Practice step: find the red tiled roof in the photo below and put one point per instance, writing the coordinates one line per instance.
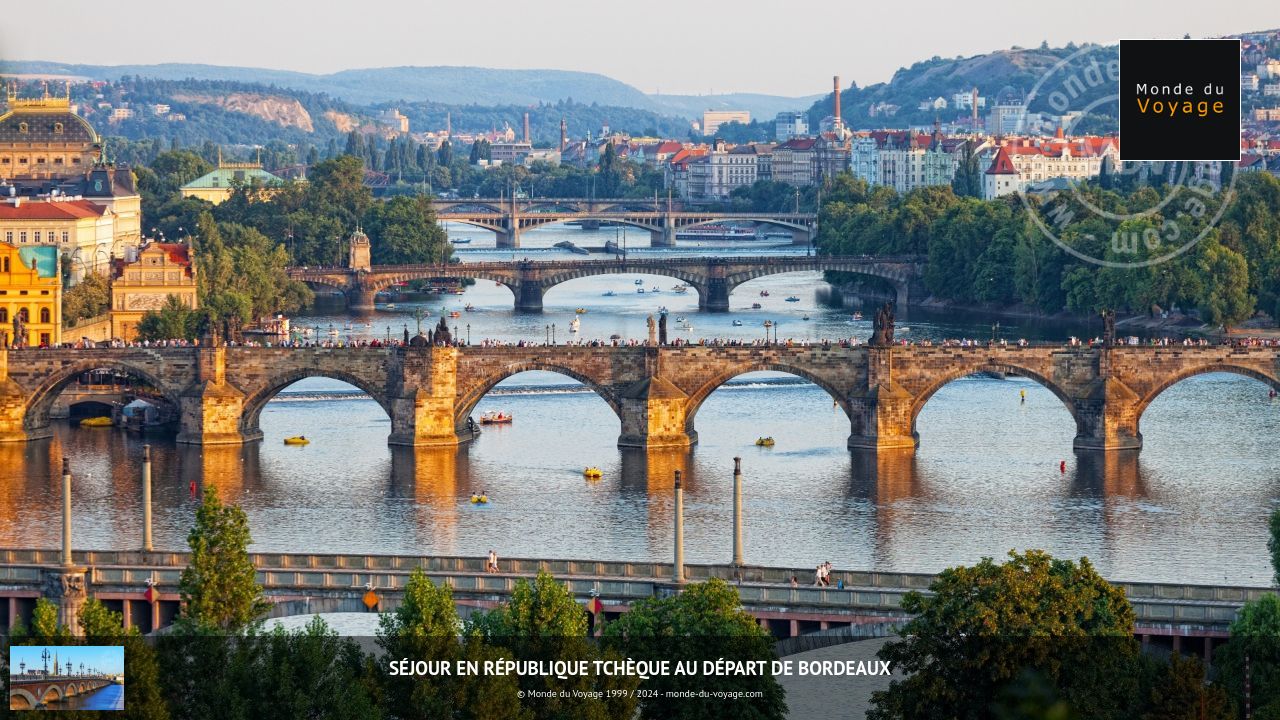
(1001, 164)
(49, 210)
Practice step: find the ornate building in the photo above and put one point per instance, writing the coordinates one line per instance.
(30, 296)
(146, 282)
(218, 185)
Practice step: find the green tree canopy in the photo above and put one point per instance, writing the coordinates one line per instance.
(219, 586)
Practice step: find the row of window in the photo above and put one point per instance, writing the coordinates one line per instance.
(45, 315)
(23, 292)
(25, 128)
(39, 161)
(49, 236)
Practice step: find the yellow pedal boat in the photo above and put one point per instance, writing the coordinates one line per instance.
(297, 440)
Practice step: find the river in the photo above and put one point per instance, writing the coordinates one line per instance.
(1192, 507)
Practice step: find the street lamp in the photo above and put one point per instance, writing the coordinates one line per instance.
(553, 333)
(468, 333)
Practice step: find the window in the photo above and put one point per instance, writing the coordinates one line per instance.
(37, 238)
(4, 314)
(8, 236)
(66, 237)
(22, 127)
(22, 236)
(4, 266)
(57, 128)
(44, 339)
(45, 316)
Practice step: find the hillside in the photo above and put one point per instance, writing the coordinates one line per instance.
(761, 107)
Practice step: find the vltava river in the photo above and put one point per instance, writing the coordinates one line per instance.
(1191, 508)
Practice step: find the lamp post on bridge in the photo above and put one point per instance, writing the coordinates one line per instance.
(677, 566)
(146, 499)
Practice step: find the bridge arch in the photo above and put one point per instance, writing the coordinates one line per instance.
(699, 396)
(53, 693)
(40, 402)
(1215, 367)
(20, 699)
(255, 401)
(472, 396)
(922, 397)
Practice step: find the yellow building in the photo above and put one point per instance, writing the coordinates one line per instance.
(81, 230)
(218, 185)
(145, 283)
(30, 296)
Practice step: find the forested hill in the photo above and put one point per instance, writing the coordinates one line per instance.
(1016, 69)
(231, 112)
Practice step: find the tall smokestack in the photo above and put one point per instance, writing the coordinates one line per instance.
(835, 83)
(526, 127)
(564, 135)
(448, 124)
(974, 100)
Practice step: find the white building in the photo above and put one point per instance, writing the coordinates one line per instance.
(1249, 82)
(1008, 117)
(1269, 70)
(713, 119)
(790, 124)
(1001, 178)
(1271, 89)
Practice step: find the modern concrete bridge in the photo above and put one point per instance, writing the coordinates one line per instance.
(656, 392)
(868, 602)
(714, 278)
(509, 217)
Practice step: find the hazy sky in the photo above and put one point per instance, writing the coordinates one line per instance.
(681, 46)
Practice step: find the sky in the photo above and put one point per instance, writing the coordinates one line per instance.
(671, 46)
(107, 659)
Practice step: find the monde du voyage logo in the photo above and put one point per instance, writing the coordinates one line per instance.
(1180, 100)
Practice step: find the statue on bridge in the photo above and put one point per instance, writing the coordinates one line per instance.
(662, 329)
(442, 335)
(882, 326)
(1108, 328)
(653, 331)
(20, 329)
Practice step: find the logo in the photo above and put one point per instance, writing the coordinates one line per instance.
(1159, 209)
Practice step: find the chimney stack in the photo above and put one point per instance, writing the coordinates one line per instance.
(526, 127)
(563, 135)
(835, 82)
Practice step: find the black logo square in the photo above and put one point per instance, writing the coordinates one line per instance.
(1180, 100)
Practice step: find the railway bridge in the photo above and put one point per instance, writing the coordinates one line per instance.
(656, 391)
(713, 278)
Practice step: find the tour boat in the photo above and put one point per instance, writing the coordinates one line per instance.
(460, 241)
(592, 473)
(297, 440)
(96, 422)
(716, 231)
(793, 298)
(496, 417)
(574, 325)
(765, 441)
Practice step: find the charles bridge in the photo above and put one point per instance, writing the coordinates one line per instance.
(508, 217)
(714, 278)
(430, 392)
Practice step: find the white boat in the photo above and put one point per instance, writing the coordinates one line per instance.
(640, 291)
(681, 289)
(737, 323)
(391, 306)
(574, 324)
(639, 281)
(609, 293)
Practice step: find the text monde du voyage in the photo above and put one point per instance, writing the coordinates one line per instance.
(1180, 99)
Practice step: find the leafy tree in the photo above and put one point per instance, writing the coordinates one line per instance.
(1255, 644)
(173, 321)
(704, 622)
(1273, 542)
(87, 299)
(1225, 299)
(44, 626)
(985, 626)
(219, 586)
(404, 230)
(967, 181)
(143, 694)
(1180, 691)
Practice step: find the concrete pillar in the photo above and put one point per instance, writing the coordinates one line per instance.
(1107, 417)
(1177, 643)
(13, 403)
(795, 628)
(359, 298)
(714, 297)
(146, 499)
(509, 237)
(653, 415)
(665, 236)
(1208, 651)
(422, 411)
(127, 612)
(801, 237)
(210, 410)
(529, 297)
(677, 567)
(13, 611)
(738, 554)
(66, 512)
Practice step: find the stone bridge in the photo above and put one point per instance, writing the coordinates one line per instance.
(38, 691)
(507, 218)
(656, 392)
(713, 278)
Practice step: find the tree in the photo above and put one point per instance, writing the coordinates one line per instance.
(1180, 691)
(173, 321)
(1253, 645)
(404, 230)
(987, 625)
(1225, 299)
(1273, 543)
(967, 181)
(87, 299)
(219, 586)
(704, 622)
(142, 687)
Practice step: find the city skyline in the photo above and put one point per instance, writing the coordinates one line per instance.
(878, 41)
(107, 659)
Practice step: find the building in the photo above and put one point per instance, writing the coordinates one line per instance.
(1249, 82)
(1269, 70)
(1271, 89)
(41, 139)
(713, 119)
(145, 281)
(790, 124)
(80, 229)
(793, 162)
(722, 170)
(119, 114)
(394, 120)
(30, 296)
(509, 153)
(1038, 161)
(764, 161)
(1266, 114)
(218, 185)
(1009, 115)
(1000, 178)
(160, 109)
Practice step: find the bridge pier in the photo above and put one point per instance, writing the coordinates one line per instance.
(422, 413)
(529, 297)
(654, 416)
(13, 404)
(509, 237)
(714, 296)
(664, 237)
(1107, 417)
(882, 419)
(210, 411)
(802, 237)
(360, 298)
